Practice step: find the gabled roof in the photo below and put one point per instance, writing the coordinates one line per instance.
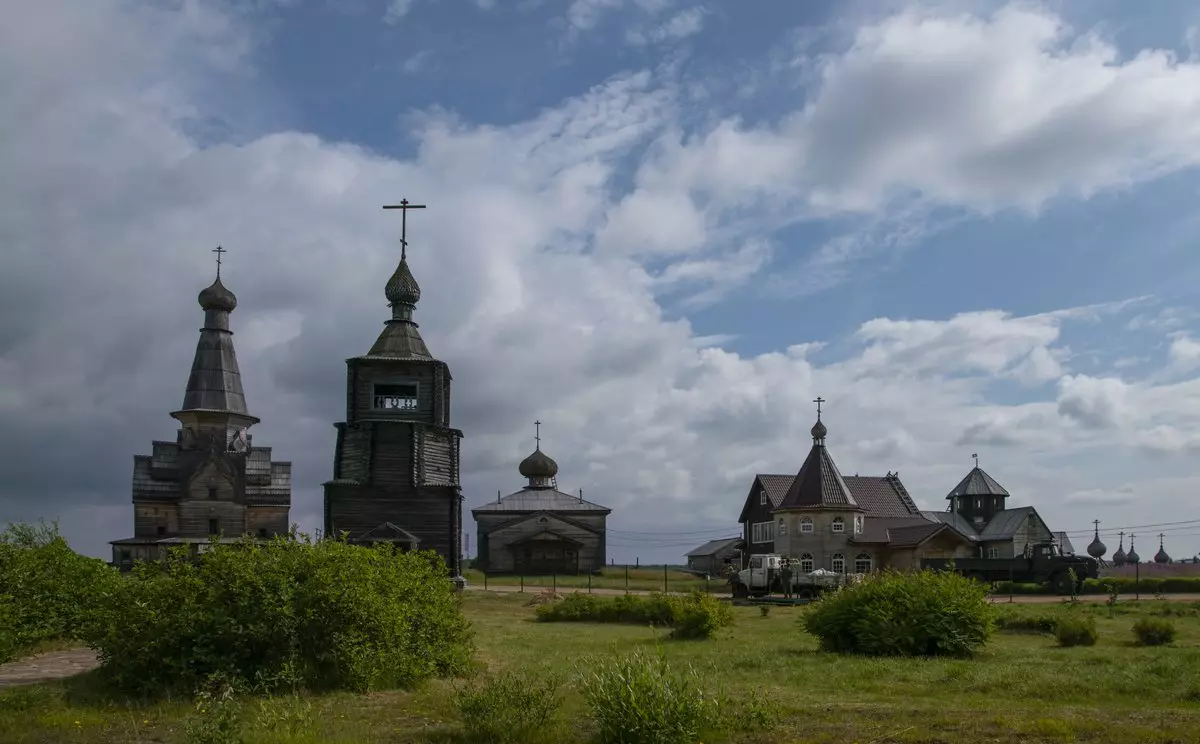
(712, 547)
(1063, 542)
(1004, 524)
(540, 499)
(957, 521)
(388, 531)
(545, 536)
(543, 517)
(818, 485)
(977, 483)
(881, 496)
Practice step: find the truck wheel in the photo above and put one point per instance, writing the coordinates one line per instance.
(1060, 583)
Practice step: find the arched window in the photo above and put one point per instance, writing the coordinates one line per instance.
(806, 524)
(782, 527)
(838, 564)
(862, 563)
(839, 524)
(806, 563)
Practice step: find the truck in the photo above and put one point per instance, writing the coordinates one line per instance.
(1040, 563)
(764, 575)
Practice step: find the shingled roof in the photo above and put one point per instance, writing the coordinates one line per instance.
(977, 483)
(818, 485)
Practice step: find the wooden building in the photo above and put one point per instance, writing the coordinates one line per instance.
(857, 524)
(396, 459)
(539, 529)
(714, 556)
(211, 480)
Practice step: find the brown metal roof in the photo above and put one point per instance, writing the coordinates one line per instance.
(818, 485)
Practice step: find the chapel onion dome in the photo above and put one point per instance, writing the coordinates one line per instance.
(1161, 556)
(402, 287)
(1133, 557)
(1097, 549)
(1119, 558)
(538, 465)
(217, 297)
(819, 431)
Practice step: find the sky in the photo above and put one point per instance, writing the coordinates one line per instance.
(661, 228)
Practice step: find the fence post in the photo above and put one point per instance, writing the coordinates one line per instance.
(589, 582)
(554, 581)
(522, 583)
(485, 581)
(664, 578)
(1137, 577)
(627, 578)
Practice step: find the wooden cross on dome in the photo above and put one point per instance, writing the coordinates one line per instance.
(537, 436)
(819, 400)
(403, 206)
(219, 250)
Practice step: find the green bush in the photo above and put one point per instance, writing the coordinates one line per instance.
(640, 699)
(694, 615)
(1152, 631)
(1123, 584)
(512, 708)
(929, 613)
(1020, 622)
(1075, 629)
(49, 590)
(287, 614)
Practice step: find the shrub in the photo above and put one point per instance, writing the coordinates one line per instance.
(1020, 622)
(1152, 631)
(640, 699)
(1074, 629)
(930, 613)
(290, 613)
(49, 589)
(215, 717)
(694, 615)
(511, 708)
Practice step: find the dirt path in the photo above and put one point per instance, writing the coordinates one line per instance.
(48, 666)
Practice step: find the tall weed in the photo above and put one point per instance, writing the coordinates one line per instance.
(512, 708)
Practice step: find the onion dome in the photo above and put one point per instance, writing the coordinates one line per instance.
(538, 465)
(819, 431)
(217, 297)
(1119, 557)
(1096, 548)
(402, 287)
(1161, 556)
(1132, 556)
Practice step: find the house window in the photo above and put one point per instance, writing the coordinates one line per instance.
(212, 492)
(806, 563)
(993, 552)
(262, 531)
(162, 530)
(859, 521)
(838, 564)
(214, 526)
(762, 497)
(806, 524)
(782, 528)
(839, 524)
(862, 563)
(762, 532)
(401, 397)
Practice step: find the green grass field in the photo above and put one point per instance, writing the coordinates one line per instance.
(1023, 688)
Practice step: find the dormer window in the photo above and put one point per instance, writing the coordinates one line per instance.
(396, 397)
(839, 524)
(806, 525)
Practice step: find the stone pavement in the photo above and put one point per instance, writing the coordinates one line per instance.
(48, 666)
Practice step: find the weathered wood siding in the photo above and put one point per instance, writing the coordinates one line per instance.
(499, 555)
(147, 518)
(430, 514)
(371, 374)
(273, 519)
(194, 515)
(437, 458)
(392, 455)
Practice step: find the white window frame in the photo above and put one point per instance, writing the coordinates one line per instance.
(407, 404)
(781, 528)
(993, 552)
(806, 525)
(859, 560)
(762, 497)
(859, 523)
(838, 525)
(762, 532)
(806, 563)
(835, 560)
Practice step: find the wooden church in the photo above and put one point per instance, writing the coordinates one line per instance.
(396, 460)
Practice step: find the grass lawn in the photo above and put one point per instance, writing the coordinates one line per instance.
(1021, 689)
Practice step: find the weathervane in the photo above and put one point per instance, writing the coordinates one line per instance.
(976, 456)
(403, 206)
(219, 250)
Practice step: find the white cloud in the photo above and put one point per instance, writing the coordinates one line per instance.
(542, 279)
(396, 10)
(683, 24)
(1184, 354)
